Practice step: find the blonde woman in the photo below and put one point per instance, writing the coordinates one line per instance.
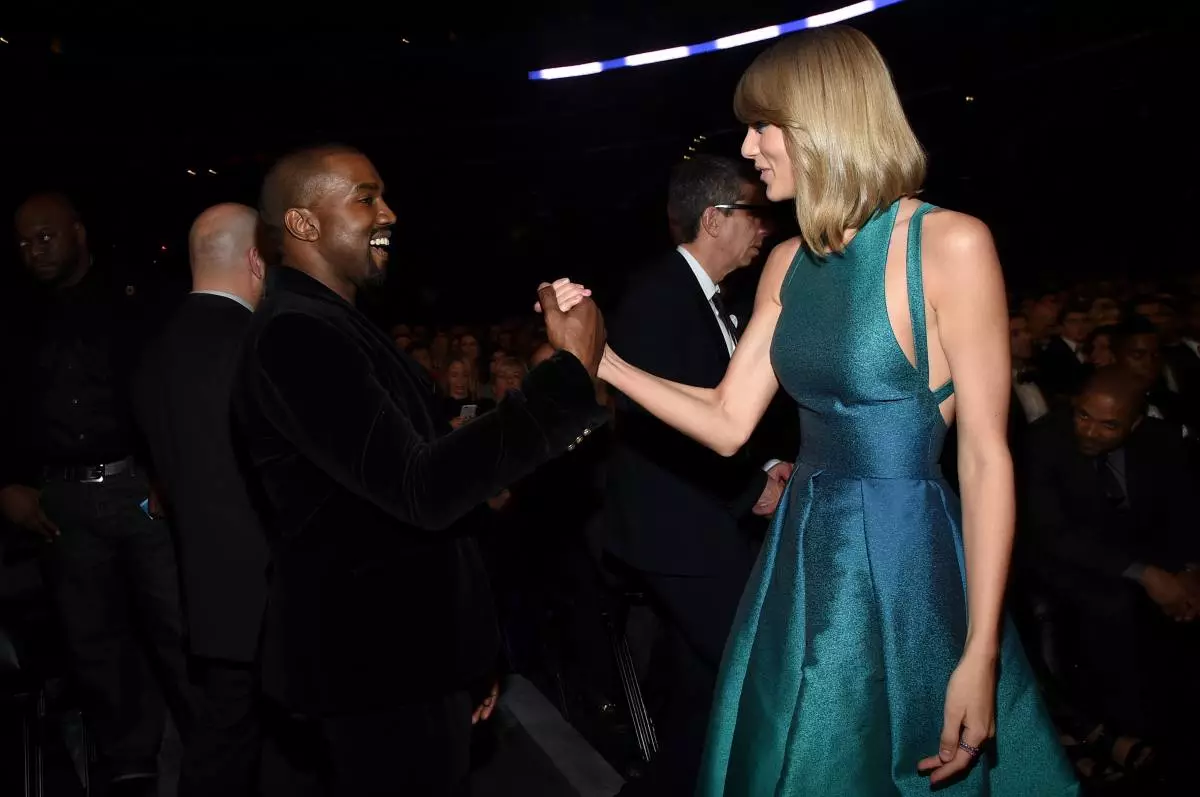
(870, 652)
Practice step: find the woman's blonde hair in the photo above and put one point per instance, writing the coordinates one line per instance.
(851, 147)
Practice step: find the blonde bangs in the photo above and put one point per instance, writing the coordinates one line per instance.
(760, 94)
(852, 150)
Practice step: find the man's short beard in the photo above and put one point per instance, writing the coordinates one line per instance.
(373, 280)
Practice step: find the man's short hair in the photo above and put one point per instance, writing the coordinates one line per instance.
(1128, 329)
(699, 183)
(1078, 306)
(294, 181)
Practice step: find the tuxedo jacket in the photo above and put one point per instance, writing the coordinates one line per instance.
(1060, 373)
(377, 593)
(182, 397)
(1185, 365)
(1076, 538)
(673, 506)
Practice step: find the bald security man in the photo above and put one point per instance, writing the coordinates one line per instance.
(182, 401)
(380, 637)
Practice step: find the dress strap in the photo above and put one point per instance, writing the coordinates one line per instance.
(916, 292)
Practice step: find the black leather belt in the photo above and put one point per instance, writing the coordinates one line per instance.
(88, 474)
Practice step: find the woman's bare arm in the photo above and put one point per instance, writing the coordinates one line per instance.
(723, 417)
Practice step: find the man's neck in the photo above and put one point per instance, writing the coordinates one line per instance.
(708, 262)
(81, 271)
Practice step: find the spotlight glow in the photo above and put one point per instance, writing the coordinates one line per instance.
(723, 43)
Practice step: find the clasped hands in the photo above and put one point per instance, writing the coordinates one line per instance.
(1176, 594)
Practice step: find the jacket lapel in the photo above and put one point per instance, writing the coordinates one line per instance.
(703, 308)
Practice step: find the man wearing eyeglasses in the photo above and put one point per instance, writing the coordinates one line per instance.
(674, 509)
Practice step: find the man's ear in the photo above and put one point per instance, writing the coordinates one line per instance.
(711, 221)
(258, 266)
(301, 223)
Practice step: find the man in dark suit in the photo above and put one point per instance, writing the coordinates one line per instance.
(182, 401)
(1061, 365)
(673, 507)
(380, 635)
(1109, 533)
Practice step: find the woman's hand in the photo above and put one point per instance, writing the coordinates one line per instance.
(970, 718)
(568, 294)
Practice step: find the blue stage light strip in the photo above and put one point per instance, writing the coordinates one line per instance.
(723, 43)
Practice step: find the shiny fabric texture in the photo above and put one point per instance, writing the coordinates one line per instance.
(855, 616)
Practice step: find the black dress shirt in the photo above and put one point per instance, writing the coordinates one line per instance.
(72, 353)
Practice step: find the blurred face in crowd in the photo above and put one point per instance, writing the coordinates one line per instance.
(505, 340)
(1153, 311)
(1076, 326)
(1142, 357)
(765, 145)
(468, 347)
(497, 357)
(439, 347)
(1169, 324)
(1105, 312)
(508, 377)
(1041, 319)
(1191, 324)
(1020, 339)
(52, 241)
(458, 381)
(1102, 422)
(1101, 352)
(403, 342)
(421, 355)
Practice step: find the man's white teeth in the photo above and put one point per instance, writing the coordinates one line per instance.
(384, 242)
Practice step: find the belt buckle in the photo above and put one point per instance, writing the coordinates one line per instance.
(95, 475)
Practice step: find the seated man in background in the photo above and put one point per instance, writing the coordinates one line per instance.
(1110, 535)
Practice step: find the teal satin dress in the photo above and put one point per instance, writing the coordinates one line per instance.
(835, 674)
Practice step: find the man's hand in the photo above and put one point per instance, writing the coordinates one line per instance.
(484, 711)
(23, 507)
(499, 501)
(154, 505)
(1172, 593)
(579, 331)
(777, 478)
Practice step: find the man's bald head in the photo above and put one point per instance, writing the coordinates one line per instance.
(222, 246)
(1117, 383)
(297, 180)
(222, 236)
(1108, 409)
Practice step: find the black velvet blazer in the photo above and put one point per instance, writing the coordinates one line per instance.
(377, 594)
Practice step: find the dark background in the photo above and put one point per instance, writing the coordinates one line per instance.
(1075, 149)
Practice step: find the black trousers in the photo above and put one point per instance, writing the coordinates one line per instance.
(696, 614)
(419, 749)
(222, 752)
(113, 577)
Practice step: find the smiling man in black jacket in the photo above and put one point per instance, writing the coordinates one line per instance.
(380, 624)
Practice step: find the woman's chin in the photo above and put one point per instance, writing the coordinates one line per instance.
(776, 194)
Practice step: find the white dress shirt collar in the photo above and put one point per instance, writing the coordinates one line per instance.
(231, 296)
(706, 283)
